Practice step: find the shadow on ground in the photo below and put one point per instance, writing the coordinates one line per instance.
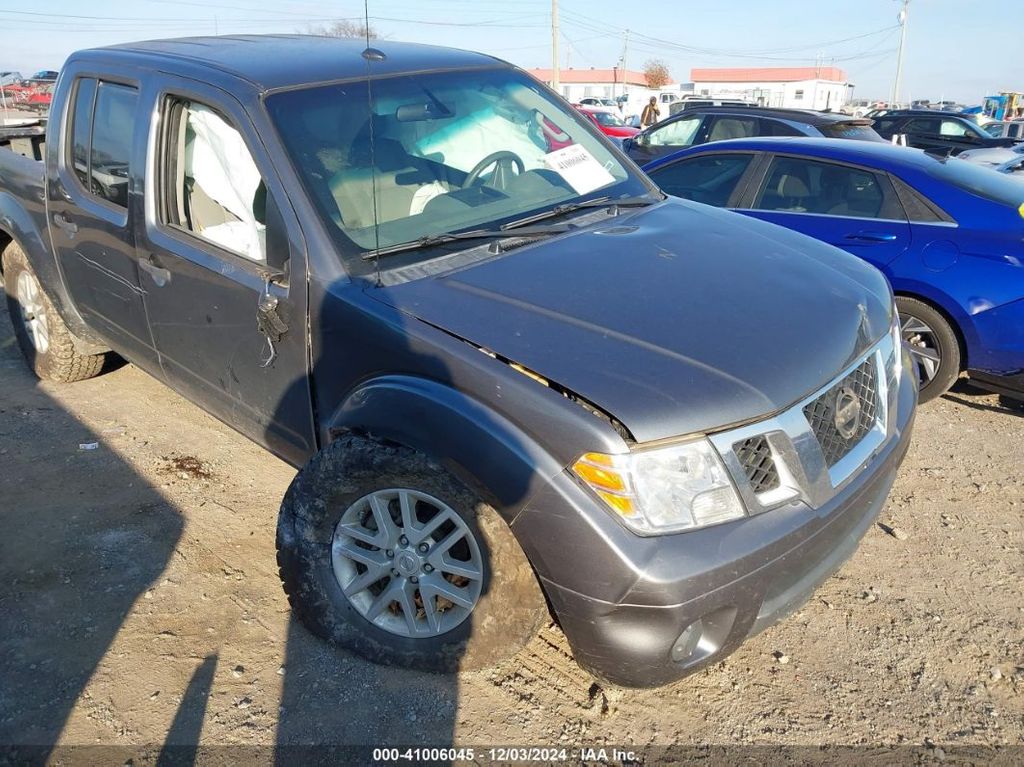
(82, 537)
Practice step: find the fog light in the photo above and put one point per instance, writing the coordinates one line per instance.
(704, 637)
(687, 641)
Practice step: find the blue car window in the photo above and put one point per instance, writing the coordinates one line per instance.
(710, 178)
(799, 185)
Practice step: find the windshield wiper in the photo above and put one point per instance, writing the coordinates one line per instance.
(598, 202)
(476, 234)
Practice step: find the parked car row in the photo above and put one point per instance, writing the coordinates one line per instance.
(705, 124)
(33, 93)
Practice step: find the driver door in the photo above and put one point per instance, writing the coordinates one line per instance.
(220, 239)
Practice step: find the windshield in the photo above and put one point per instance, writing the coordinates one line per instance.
(450, 151)
(609, 119)
(979, 180)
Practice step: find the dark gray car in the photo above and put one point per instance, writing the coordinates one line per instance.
(511, 373)
(700, 125)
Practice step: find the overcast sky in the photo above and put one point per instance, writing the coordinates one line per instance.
(956, 49)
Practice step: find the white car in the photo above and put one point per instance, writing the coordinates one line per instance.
(994, 157)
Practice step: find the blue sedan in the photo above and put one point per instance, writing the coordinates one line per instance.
(949, 235)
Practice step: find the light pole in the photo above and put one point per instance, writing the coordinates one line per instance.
(899, 56)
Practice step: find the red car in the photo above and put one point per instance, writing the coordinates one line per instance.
(609, 122)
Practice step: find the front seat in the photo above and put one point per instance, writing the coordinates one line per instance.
(388, 167)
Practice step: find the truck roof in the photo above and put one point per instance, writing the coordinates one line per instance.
(280, 61)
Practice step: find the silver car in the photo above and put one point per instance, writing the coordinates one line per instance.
(993, 157)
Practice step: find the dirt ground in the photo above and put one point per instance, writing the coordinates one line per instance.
(140, 604)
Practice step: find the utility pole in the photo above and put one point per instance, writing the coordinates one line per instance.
(554, 45)
(899, 56)
(625, 52)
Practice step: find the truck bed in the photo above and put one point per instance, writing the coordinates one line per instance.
(22, 178)
(26, 140)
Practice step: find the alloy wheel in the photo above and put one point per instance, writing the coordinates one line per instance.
(33, 313)
(407, 562)
(923, 345)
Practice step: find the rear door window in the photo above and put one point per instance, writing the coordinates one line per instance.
(102, 126)
(922, 125)
(799, 185)
(709, 178)
(726, 127)
(81, 125)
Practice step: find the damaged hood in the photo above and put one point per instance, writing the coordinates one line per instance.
(674, 319)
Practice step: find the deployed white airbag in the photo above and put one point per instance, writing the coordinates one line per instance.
(221, 164)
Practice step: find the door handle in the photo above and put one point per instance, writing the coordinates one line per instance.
(872, 236)
(70, 227)
(160, 275)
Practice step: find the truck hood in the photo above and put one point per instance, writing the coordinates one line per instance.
(673, 319)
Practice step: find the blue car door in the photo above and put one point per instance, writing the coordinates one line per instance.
(851, 207)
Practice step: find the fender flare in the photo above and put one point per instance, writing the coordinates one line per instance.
(481, 447)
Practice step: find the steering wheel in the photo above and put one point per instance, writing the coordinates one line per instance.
(504, 162)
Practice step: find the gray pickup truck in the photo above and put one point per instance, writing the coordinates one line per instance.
(517, 381)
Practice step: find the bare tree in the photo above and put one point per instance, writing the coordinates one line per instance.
(656, 73)
(345, 28)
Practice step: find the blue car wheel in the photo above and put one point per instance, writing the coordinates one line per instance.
(932, 343)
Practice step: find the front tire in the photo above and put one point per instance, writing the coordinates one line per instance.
(45, 341)
(383, 552)
(932, 343)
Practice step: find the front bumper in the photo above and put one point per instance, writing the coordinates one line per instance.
(642, 612)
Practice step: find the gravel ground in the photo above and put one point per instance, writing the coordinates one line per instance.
(140, 604)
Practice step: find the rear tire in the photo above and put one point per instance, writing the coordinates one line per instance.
(327, 522)
(45, 341)
(932, 343)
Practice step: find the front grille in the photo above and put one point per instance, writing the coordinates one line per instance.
(860, 385)
(755, 457)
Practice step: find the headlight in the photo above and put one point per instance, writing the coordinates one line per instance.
(663, 490)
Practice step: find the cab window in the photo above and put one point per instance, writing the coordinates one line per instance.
(710, 179)
(102, 124)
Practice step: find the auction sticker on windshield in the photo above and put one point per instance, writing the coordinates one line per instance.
(579, 168)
